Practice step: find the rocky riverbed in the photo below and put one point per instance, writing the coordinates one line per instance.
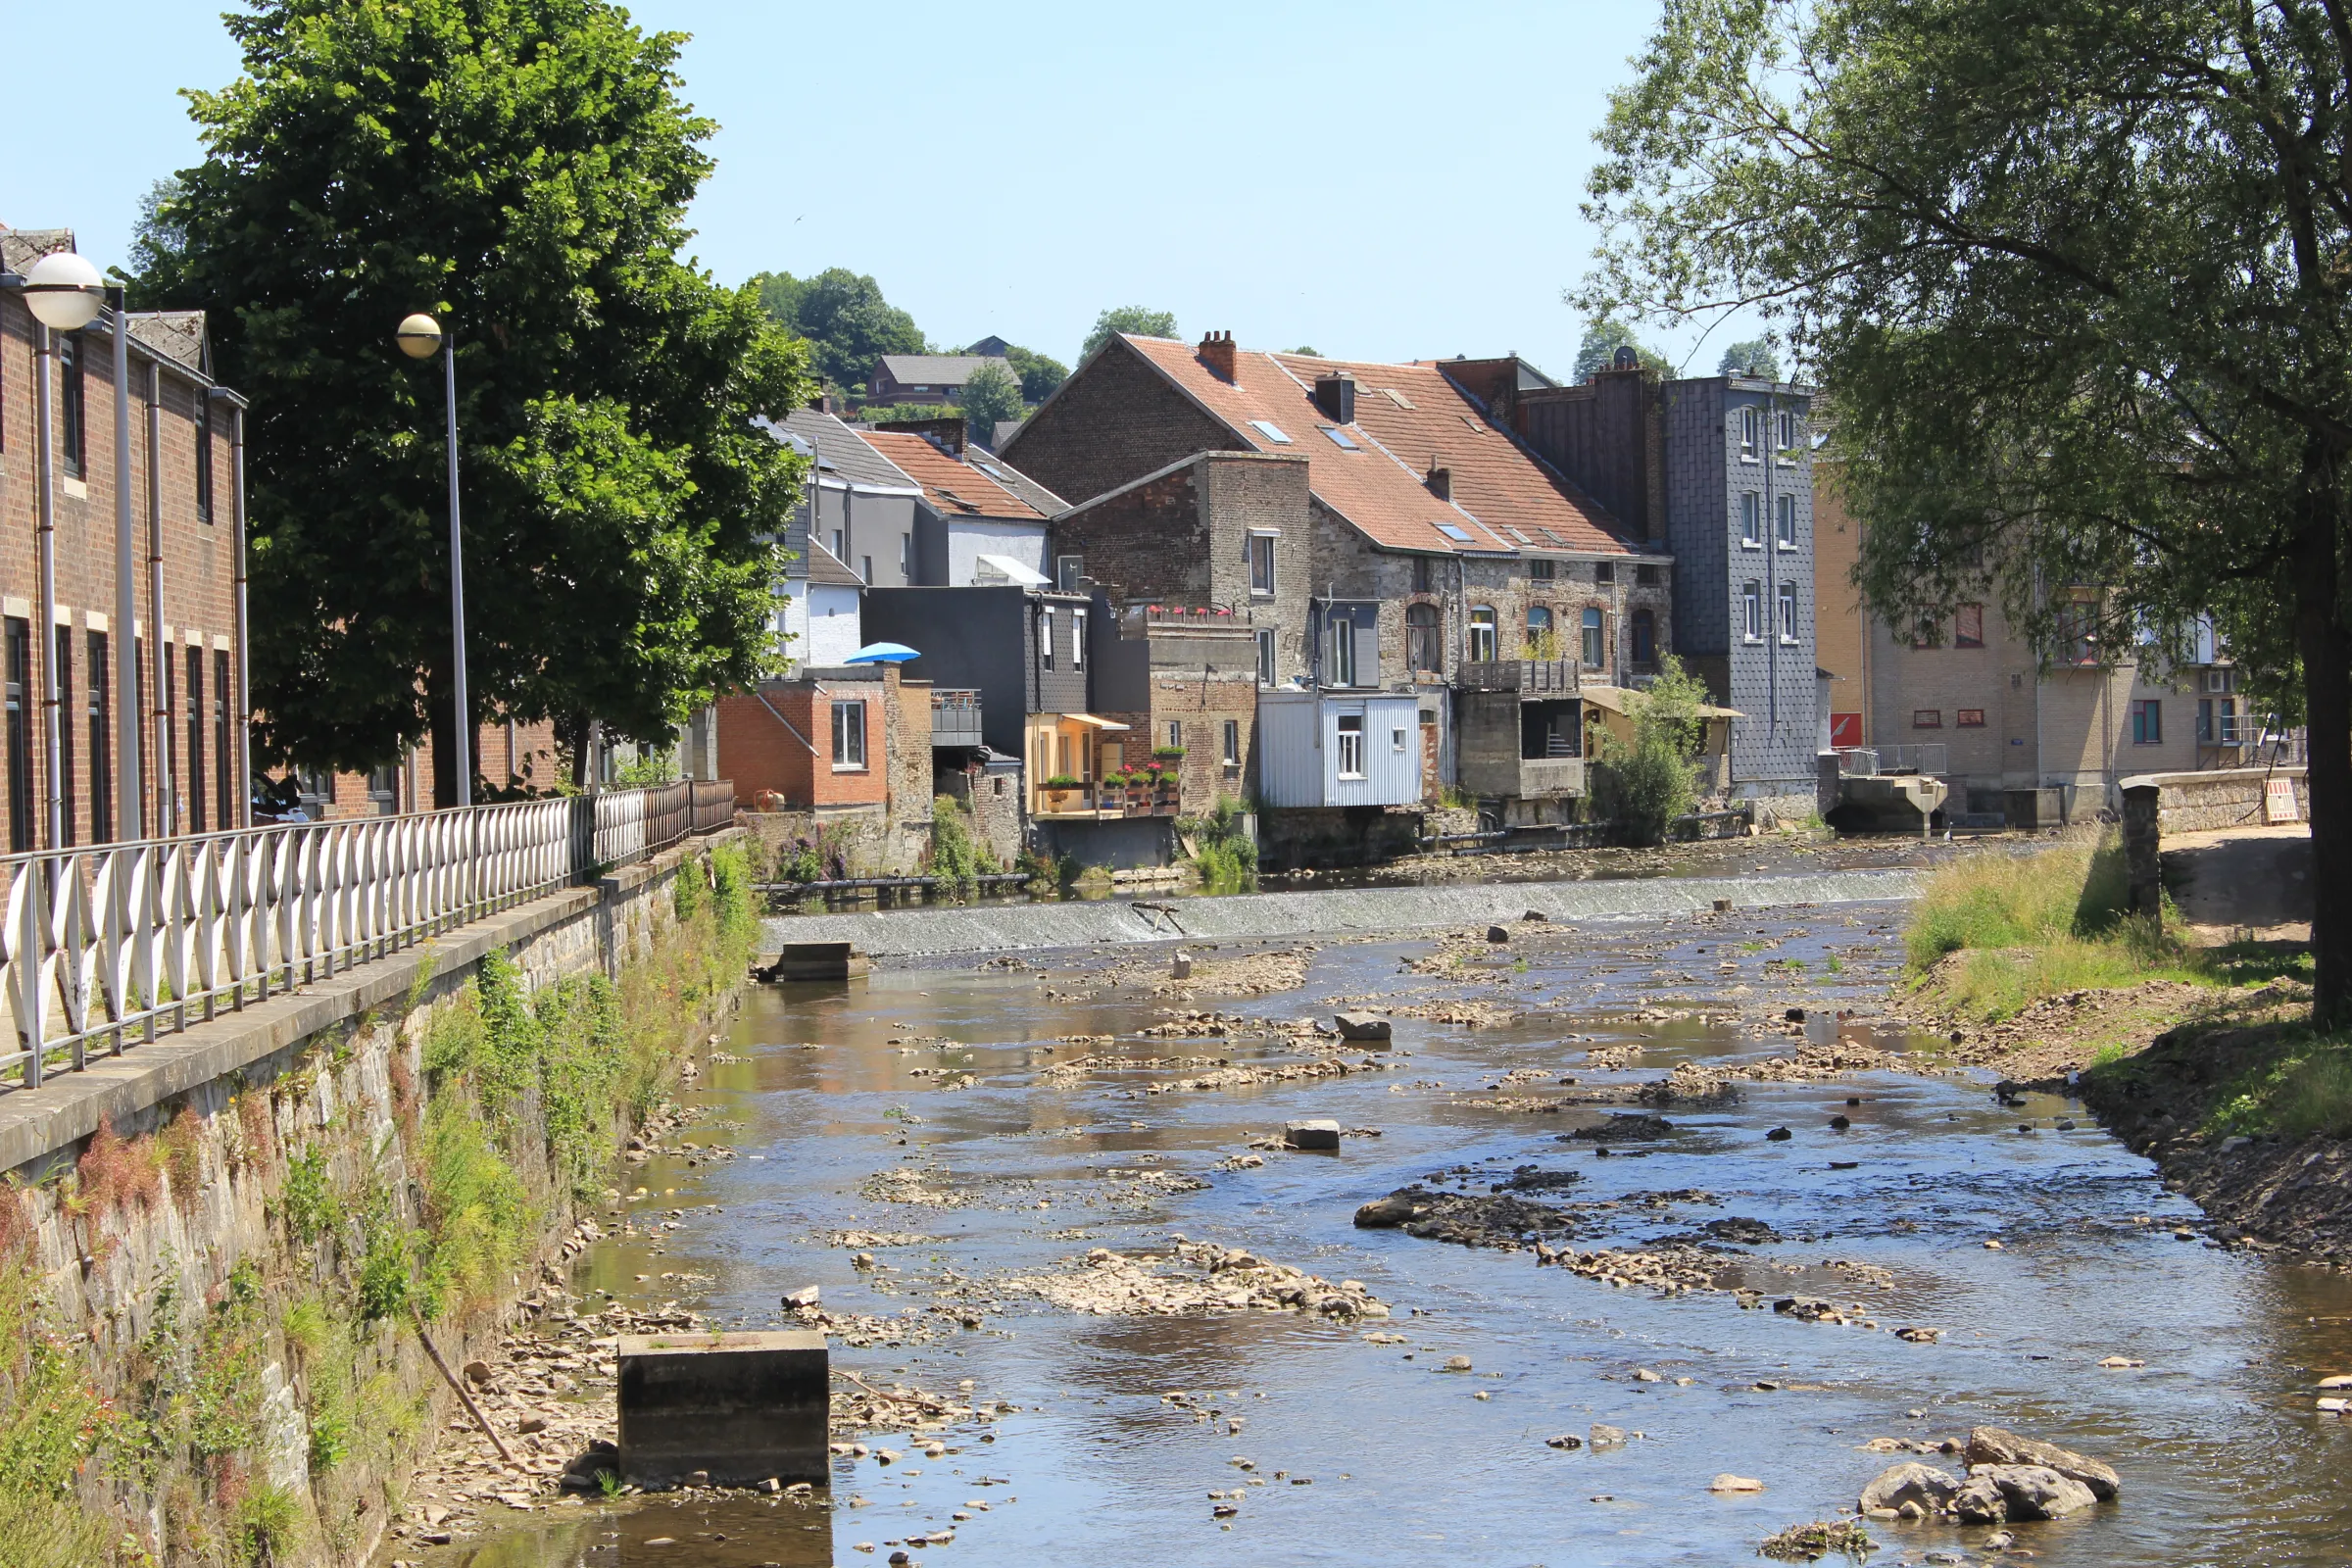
(1679, 1243)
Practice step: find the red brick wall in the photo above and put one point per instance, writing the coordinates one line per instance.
(758, 753)
(199, 560)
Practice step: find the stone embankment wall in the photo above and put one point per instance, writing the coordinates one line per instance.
(228, 1244)
(2218, 797)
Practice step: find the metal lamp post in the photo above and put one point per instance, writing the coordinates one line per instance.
(419, 338)
(63, 292)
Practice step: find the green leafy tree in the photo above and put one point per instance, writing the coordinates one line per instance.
(1135, 319)
(522, 169)
(1305, 353)
(848, 325)
(2081, 285)
(1753, 356)
(990, 394)
(1646, 787)
(1603, 338)
(1040, 375)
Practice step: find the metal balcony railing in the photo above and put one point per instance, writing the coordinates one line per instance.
(105, 946)
(1523, 675)
(1930, 758)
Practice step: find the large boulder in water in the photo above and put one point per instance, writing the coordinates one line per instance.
(1932, 1488)
(1980, 1502)
(1362, 1026)
(2033, 1490)
(1996, 1445)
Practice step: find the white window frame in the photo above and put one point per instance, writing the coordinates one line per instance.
(1788, 611)
(1349, 753)
(1339, 635)
(849, 734)
(907, 557)
(1045, 637)
(1751, 519)
(1484, 633)
(1263, 565)
(1751, 432)
(1751, 602)
(1077, 639)
(1593, 637)
(1265, 656)
(1397, 734)
(1784, 437)
(1231, 740)
(1783, 522)
(1067, 569)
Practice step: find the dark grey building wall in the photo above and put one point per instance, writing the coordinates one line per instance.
(968, 637)
(1771, 681)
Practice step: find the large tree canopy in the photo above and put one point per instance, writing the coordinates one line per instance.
(520, 169)
(848, 325)
(1604, 336)
(1140, 320)
(2078, 279)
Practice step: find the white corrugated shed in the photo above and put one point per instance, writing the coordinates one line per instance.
(1306, 741)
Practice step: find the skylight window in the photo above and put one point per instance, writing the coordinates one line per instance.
(1270, 430)
(1339, 438)
(1553, 537)
(1395, 397)
(1455, 532)
(1516, 534)
(988, 469)
(1476, 429)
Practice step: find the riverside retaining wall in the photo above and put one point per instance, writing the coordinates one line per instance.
(210, 1211)
(2217, 797)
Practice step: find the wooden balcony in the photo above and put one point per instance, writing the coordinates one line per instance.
(1532, 677)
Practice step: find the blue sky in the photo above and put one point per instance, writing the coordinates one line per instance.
(1376, 180)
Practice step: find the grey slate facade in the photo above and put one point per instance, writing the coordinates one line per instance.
(988, 638)
(1711, 479)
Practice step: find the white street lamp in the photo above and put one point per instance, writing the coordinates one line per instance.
(420, 337)
(64, 291)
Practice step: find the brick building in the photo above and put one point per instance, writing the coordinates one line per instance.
(1431, 536)
(929, 377)
(185, 481)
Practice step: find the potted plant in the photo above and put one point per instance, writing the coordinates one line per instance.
(1058, 790)
(1168, 777)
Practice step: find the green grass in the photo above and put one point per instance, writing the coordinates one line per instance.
(2042, 924)
(2304, 1090)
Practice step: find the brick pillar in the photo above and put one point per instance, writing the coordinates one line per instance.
(2143, 841)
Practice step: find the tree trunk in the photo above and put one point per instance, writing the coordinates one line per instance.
(578, 732)
(2327, 652)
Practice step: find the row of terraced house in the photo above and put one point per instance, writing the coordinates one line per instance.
(1338, 592)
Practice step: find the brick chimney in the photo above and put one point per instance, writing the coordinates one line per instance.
(1216, 352)
(1440, 481)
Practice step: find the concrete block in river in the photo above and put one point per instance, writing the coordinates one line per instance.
(1361, 1026)
(818, 961)
(1311, 1134)
(744, 1407)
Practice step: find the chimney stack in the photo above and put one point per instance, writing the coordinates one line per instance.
(1216, 352)
(1440, 481)
(1335, 395)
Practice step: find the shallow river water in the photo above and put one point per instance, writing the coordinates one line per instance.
(2222, 1459)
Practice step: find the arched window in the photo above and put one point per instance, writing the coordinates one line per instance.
(1541, 641)
(1595, 648)
(1482, 635)
(1424, 647)
(1645, 637)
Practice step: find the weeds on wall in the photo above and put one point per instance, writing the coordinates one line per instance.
(1224, 855)
(1645, 787)
(521, 1100)
(956, 857)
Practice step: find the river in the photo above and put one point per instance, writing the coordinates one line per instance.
(2222, 1459)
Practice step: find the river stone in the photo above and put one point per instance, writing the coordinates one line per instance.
(1980, 1501)
(1608, 1436)
(1362, 1026)
(1384, 1213)
(2035, 1490)
(1924, 1485)
(1498, 933)
(1314, 1134)
(1727, 1482)
(1996, 1445)
(1180, 968)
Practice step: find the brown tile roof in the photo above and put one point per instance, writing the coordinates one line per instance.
(956, 486)
(1505, 498)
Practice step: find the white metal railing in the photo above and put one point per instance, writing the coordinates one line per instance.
(105, 946)
(1927, 757)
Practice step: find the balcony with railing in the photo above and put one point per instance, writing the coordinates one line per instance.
(955, 716)
(1530, 677)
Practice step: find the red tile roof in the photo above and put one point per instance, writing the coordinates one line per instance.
(1505, 498)
(955, 486)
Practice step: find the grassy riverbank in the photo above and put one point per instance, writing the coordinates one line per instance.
(2201, 1057)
